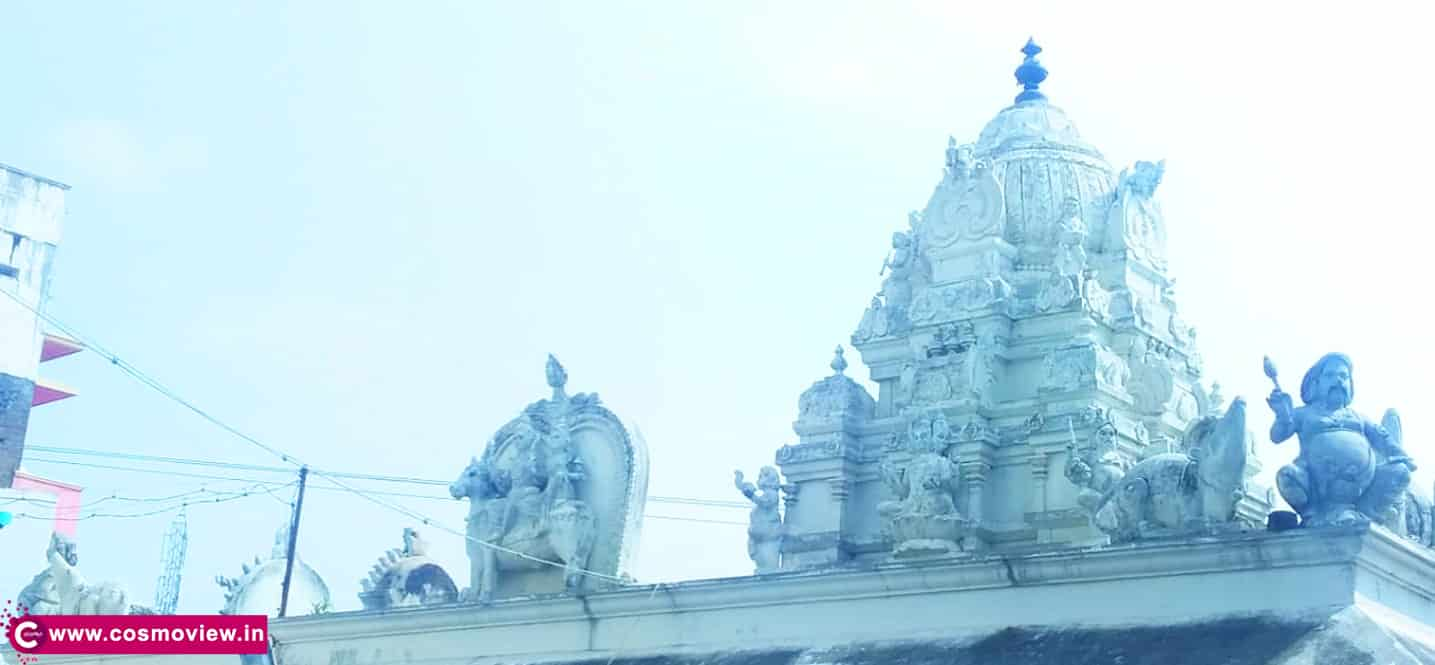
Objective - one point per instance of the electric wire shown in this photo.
(150, 513)
(235, 466)
(269, 486)
(283, 456)
(146, 379)
(129, 499)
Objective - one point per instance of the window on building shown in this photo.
(10, 253)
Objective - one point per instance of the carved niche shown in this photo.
(1134, 224)
(923, 519)
(969, 204)
(957, 365)
(1153, 379)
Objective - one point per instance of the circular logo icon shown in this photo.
(26, 634)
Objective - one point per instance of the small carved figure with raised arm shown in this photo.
(1349, 469)
(764, 531)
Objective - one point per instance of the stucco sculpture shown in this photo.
(1171, 493)
(552, 498)
(923, 519)
(258, 590)
(1349, 469)
(906, 270)
(62, 589)
(406, 577)
(1135, 222)
(764, 530)
(40, 596)
(1411, 515)
(1095, 467)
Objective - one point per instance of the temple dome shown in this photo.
(1031, 124)
(260, 589)
(1032, 121)
(1045, 169)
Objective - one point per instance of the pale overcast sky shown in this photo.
(354, 229)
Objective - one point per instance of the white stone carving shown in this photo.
(40, 596)
(258, 589)
(1074, 244)
(1094, 297)
(923, 519)
(1135, 223)
(836, 396)
(1192, 491)
(1095, 467)
(407, 577)
(1153, 382)
(765, 531)
(1057, 293)
(1073, 368)
(62, 589)
(970, 206)
(552, 498)
(874, 322)
(1111, 369)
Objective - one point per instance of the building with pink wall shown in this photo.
(32, 209)
(66, 497)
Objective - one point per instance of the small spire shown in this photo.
(557, 378)
(838, 362)
(1030, 74)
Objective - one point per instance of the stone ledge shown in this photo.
(1257, 572)
(1179, 581)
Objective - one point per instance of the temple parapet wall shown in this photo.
(1314, 576)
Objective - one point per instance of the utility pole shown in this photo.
(293, 540)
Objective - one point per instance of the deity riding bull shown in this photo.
(524, 520)
(1349, 470)
(555, 499)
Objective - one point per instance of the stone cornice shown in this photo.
(1257, 552)
(1296, 573)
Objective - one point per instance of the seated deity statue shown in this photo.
(1349, 469)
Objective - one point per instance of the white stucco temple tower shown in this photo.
(1044, 477)
(1027, 306)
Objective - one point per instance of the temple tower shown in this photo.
(1027, 317)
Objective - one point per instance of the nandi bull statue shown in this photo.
(1172, 493)
(551, 498)
(1349, 470)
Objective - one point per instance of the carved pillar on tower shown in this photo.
(974, 479)
(1040, 471)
